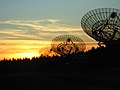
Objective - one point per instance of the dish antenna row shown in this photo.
(102, 24)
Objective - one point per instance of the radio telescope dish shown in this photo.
(67, 44)
(102, 24)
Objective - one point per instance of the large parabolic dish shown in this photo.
(102, 24)
(67, 44)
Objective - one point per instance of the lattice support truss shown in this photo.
(67, 44)
(102, 24)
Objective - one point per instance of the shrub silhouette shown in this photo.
(95, 57)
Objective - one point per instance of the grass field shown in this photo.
(67, 79)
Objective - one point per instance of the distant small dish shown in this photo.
(67, 44)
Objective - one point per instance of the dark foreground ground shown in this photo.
(68, 79)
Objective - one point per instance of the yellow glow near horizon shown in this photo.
(21, 48)
(27, 55)
(20, 55)
(29, 48)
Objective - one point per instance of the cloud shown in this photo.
(38, 25)
(53, 21)
(38, 30)
(23, 23)
(22, 36)
(16, 35)
(19, 46)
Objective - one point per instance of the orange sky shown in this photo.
(24, 38)
(26, 26)
(27, 48)
(21, 48)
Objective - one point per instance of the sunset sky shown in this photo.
(28, 26)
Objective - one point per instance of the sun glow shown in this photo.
(27, 55)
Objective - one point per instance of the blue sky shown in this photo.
(42, 20)
(70, 11)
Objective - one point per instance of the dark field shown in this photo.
(97, 69)
(67, 79)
